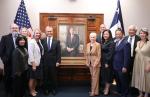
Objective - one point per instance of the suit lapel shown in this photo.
(93, 48)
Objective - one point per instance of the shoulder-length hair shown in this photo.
(110, 35)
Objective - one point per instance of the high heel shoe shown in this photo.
(91, 94)
(33, 94)
(106, 92)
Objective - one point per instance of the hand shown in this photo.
(71, 49)
(87, 65)
(57, 64)
(124, 70)
(68, 49)
(18, 73)
(147, 69)
(106, 65)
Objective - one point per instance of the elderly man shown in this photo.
(132, 38)
(7, 46)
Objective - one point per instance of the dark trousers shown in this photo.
(50, 78)
(19, 85)
(131, 69)
(7, 80)
(122, 80)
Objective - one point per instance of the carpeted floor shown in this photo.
(66, 91)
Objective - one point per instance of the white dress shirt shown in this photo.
(132, 44)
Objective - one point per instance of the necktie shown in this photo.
(130, 40)
(49, 41)
(117, 43)
(14, 39)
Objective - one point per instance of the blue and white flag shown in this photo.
(117, 20)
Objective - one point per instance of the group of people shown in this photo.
(29, 60)
(123, 58)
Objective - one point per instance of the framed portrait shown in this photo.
(72, 40)
(72, 29)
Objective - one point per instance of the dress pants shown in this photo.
(94, 79)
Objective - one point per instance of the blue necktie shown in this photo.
(49, 46)
(130, 40)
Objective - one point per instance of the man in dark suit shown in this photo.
(120, 63)
(52, 59)
(132, 38)
(7, 45)
(72, 43)
(99, 35)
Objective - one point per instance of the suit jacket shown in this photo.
(52, 56)
(99, 37)
(6, 49)
(107, 52)
(74, 43)
(34, 52)
(137, 38)
(93, 56)
(122, 55)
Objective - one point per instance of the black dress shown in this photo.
(38, 73)
(20, 67)
(107, 55)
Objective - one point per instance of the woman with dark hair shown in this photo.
(20, 66)
(106, 59)
(141, 78)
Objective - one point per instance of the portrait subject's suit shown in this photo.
(51, 57)
(93, 55)
(122, 59)
(73, 43)
(7, 46)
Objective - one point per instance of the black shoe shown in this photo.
(53, 92)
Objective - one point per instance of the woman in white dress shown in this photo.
(141, 78)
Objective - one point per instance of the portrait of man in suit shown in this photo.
(72, 40)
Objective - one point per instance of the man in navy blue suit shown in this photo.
(121, 62)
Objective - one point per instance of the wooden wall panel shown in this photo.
(91, 22)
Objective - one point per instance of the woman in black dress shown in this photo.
(107, 54)
(20, 67)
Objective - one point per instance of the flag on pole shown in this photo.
(117, 21)
(22, 19)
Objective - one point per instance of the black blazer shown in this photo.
(6, 49)
(52, 56)
(107, 53)
(137, 38)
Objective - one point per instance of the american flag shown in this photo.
(117, 21)
(22, 19)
